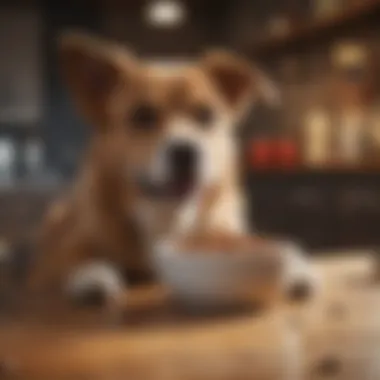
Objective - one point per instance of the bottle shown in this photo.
(351, 137)
(317, 137)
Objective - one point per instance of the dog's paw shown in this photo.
(301, 280)
(299, 291)
(94, 284)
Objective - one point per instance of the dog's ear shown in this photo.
(237, 80)
(94, 69)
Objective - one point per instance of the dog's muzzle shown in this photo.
(182, 168)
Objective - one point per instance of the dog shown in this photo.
(161, 163)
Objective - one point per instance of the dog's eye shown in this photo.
(204, 115)
(145, 116)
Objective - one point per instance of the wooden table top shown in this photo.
(337, 335)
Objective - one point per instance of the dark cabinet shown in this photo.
(358, 218)
(322, 210)
(308, 208)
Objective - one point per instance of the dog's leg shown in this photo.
(77, 277)
(227, 213)
(67, 265)
(73, 268)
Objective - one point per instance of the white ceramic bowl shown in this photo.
(210, 279)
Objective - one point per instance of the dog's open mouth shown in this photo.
(177, 187)
(181, 174)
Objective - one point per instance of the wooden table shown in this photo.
(336, 336)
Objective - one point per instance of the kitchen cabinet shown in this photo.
(320, 209)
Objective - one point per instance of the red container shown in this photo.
(287, 154)
(261, 153)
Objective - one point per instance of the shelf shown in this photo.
(330, 170)
(317, 31)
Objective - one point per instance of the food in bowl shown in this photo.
(218, 270)
(224, 243)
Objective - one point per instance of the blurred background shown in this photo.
(311, 167)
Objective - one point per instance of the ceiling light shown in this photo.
(165, 13)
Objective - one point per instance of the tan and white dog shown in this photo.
(162, 161)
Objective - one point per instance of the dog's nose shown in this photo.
(182, 157)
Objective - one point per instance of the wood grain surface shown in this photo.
(334, 336)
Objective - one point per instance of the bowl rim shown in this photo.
(167, 249)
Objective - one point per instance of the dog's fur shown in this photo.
(106, 215)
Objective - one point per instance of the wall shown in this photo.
(64, 131)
